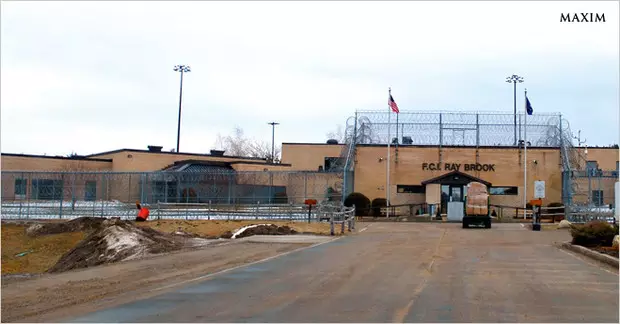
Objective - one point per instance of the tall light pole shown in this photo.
(182, 69)
(514, 79)
(273, 133)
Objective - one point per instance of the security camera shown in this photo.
(535, 162)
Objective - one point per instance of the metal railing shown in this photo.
(347, 215)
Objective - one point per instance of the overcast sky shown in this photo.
(93, 76)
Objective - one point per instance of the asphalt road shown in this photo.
(399, 272)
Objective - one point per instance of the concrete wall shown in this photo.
(40, 163)
(309, 157)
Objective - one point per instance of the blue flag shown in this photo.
(528, 106)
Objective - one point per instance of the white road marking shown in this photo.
(363, 229)
(243, 265)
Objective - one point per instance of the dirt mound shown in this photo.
(116, 240)
(86, 224)
(263, 229)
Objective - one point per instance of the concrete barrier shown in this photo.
(591, 254)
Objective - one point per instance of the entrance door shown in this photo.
(450, 193)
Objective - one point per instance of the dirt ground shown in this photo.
(52, 296)
(44, 251)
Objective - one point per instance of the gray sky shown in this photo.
(95, 76)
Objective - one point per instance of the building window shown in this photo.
(597, 197)
(410, 189)
(333, 163)
(504, 191)
(90, 192)
(20, 188)
(47, 189)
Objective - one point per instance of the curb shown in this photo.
(592, 254)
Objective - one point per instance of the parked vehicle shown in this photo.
(477, 205)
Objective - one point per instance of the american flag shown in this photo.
(393, 104)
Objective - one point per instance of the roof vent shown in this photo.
(153, 148)
(217, 152)
(332, 141)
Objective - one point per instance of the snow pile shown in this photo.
(116, 240)
(261, 229)
(241, 230)
(120, 240)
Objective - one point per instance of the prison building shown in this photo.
(433, 155)
(434, 175)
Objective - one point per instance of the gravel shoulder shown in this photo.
(50, 297)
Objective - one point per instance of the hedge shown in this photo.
(361, 203)
(376, 206)
(592, 234)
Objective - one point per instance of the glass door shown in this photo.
(456, 193)
(445, 197)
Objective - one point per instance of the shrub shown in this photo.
(376, 206)
(361, 203)
(594, 233)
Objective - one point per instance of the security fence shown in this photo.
(444, 128)
(214, 194)
(592, 195)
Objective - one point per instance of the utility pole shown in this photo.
(182, 69)
(514, 79)
(273, 133)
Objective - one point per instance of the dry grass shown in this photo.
(219, 227)
(46, 250)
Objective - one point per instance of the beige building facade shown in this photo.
(426, 174)
(418, 174)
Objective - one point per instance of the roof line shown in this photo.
(75, 158)
(177, 153)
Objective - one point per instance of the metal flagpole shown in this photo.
(387, 176)
(525, 159)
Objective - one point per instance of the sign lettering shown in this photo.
(458, 167)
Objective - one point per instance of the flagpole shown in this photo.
(525, 159)
(387, 197)
(397, 138)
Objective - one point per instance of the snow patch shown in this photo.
(241, 230)
(118, 240)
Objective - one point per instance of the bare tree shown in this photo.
(262, 150)
(237, 144)
(337, 135)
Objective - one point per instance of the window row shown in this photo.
(50, 189)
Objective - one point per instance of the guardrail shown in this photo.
(345, 216)
(209, 211)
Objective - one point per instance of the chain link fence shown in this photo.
(592, 195)
(213, 195)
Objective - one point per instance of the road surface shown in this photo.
(398, 272)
